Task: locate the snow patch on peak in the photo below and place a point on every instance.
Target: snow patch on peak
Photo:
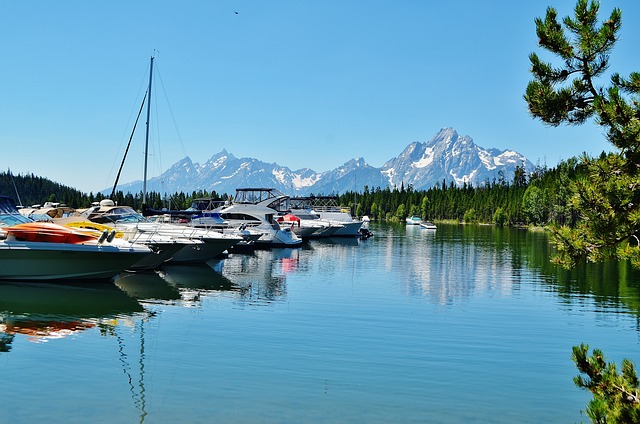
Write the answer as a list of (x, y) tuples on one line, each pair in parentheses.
[(279, 175), (464, 178), (487, 159), (426, 160), (300, 183), (219, 161)]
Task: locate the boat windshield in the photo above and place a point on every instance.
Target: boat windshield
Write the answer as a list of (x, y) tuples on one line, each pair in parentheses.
[(12, 219), (118, 214), (9, 214), (39, 216)]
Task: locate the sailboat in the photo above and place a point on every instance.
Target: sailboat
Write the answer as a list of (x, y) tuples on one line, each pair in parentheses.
[(199, 245)]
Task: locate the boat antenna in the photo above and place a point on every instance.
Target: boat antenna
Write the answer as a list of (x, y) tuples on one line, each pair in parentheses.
[(113, 192), (146, 141), (14, 187)]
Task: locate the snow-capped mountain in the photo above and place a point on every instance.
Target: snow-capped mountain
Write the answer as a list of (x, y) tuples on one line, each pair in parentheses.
[(450, 157), (447, 156)]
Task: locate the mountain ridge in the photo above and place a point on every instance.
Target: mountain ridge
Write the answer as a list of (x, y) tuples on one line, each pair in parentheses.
[(446, 157)]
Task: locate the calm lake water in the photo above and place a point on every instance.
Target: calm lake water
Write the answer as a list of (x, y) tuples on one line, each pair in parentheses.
[(464, 324)]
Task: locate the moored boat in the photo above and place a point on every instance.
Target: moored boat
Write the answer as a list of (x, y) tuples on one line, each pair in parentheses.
[(413, 220), (256, 208), (203, 244), (57, 252), (428, 225), (325, 209)]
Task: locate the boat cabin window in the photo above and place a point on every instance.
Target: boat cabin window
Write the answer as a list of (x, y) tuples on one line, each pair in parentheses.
[(281, 204), (238, 217)]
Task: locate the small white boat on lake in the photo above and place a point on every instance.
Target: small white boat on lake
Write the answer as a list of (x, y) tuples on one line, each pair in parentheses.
[(413, 220), (428, 225)]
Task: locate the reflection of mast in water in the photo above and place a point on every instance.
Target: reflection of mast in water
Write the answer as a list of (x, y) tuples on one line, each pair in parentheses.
[(138, 394)]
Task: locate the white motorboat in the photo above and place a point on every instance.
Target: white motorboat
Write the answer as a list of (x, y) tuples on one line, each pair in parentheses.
[(428, 225), (302, 230), (325, 209), (413, 220), (44, 251), (163, 248), (208, 243), (205, 219), (256, 208), (321, 227)]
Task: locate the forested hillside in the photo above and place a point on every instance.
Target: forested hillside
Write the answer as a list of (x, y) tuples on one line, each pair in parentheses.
[(30, 189), (540, 198)]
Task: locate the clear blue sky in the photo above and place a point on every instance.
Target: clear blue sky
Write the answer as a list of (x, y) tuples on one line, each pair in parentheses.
[(301, 83)]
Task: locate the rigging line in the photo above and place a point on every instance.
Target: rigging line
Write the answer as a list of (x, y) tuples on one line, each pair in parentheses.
[(158, 161), (15, 188), (128, 145), (173, 118), (141, 87)]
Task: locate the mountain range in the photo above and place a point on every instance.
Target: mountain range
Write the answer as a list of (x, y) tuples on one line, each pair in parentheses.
[(447, 157)]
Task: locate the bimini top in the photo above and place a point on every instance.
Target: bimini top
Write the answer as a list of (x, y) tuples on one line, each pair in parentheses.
[(256, 195)]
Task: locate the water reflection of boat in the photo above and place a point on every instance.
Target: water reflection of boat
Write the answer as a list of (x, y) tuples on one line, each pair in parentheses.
[(196, 277), (48, 311), (338, 241), (77, 300), (261, 276), (147, 286), (193, 282)]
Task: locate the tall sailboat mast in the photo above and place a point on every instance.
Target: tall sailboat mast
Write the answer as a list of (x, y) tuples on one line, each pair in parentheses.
[(146, 141)]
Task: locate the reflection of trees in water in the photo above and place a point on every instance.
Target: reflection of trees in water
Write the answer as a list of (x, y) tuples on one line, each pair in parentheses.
[(457, 261), (333, 255), (5, 342), (451, 262), (610, 284)]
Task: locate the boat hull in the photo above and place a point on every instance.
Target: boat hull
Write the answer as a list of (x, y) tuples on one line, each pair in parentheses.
[(163, 252), (33, 261), (349, 229), (428, 225), (203, 252)]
